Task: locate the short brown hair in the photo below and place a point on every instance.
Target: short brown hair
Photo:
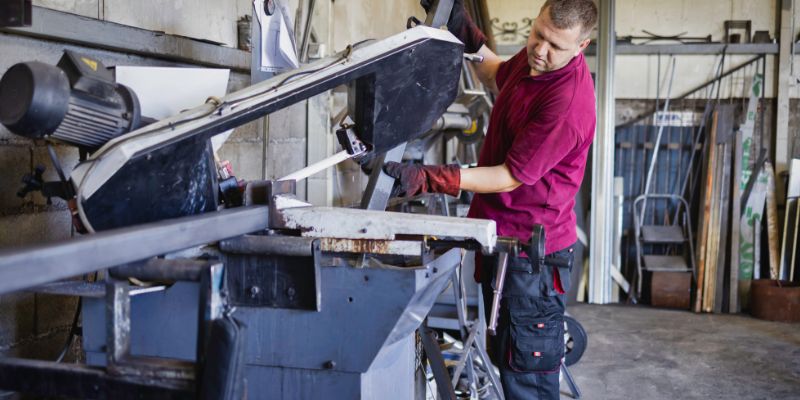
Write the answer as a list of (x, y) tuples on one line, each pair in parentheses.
[(567, 14)]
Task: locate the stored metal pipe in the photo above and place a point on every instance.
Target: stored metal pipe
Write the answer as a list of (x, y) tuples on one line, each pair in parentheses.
[(161, 270), (272, 245), (37, 265)]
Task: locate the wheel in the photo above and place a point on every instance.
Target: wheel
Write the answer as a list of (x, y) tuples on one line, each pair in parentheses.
[(577, 341)]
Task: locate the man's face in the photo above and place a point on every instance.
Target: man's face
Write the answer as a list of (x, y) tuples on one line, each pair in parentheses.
[(550, 48)]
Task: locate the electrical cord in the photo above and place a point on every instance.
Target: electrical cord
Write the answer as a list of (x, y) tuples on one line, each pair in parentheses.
[(218, 104), (72, 330)]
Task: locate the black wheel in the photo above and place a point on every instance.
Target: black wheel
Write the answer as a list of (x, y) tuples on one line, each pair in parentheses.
[(577, 340)]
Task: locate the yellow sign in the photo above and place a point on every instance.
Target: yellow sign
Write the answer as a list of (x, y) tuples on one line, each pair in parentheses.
[(91, 63)]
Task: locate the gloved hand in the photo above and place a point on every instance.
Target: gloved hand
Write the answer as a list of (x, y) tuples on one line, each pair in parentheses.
[(461, 26), (414, 179)]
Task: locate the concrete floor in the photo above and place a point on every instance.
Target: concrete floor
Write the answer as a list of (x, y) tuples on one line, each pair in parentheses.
[(645, 353)]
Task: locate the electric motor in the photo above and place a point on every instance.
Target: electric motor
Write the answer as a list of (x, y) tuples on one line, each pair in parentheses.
[(76, 102)]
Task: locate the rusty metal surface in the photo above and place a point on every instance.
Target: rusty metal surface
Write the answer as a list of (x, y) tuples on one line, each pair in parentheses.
[(670, 289), (346, 223), (371, 246), (771, 302)]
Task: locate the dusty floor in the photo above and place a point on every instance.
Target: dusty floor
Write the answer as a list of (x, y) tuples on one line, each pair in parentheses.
[(645, 353)]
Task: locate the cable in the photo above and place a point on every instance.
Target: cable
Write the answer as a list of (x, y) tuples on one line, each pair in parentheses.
[(72, 330)]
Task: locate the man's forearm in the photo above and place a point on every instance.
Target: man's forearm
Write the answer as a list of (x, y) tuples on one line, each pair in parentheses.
[(497, 179)]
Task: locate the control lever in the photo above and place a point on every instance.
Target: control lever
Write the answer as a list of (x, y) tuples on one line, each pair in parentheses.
[(535, 250), (35, 183)]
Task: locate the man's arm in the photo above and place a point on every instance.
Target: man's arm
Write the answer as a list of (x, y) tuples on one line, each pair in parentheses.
[(487, 70), (415, 179), (497, 179)]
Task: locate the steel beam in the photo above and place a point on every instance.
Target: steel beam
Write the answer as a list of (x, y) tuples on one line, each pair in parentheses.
[(33, 266), (64, 27), (602, 226)]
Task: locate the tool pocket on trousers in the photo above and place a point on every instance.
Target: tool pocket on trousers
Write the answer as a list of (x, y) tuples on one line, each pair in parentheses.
[(536, 343), (557, 267), (522, 280)]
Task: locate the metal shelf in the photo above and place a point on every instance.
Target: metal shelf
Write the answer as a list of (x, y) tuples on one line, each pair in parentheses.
[(64, 27), (686, 49)]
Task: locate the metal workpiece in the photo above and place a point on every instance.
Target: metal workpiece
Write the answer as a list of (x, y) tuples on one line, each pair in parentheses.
[(300, 246), (415, 72), (408, 248), (346, 223), (37, 265)]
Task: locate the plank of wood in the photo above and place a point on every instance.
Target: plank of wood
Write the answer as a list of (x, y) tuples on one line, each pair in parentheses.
[(772, 223), (713, 235), (705, 215), (724, 229), (736, 206), (789, 253), (794, 242)]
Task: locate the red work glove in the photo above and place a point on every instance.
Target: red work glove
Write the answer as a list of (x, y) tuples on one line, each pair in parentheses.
[(461, 26), (414, 179)]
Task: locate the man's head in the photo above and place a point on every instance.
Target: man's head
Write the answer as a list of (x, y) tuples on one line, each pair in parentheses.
[(559, 33)]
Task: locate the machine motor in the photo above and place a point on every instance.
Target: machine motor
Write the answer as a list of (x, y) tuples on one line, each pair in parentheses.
[(76, 102)]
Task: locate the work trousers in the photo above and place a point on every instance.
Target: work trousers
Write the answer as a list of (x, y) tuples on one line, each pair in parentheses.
[(529, 345)]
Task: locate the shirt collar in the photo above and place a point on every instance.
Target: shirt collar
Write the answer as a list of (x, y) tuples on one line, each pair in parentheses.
[(571, 66)]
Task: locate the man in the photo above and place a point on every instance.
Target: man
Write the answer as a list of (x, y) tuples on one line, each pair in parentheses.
[(530, 168)]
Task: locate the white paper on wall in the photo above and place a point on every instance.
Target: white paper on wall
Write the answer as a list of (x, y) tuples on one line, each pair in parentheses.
[(278, 48), (164, 92)]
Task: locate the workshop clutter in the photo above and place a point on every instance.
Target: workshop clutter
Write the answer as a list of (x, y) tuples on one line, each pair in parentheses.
[(702, 225)]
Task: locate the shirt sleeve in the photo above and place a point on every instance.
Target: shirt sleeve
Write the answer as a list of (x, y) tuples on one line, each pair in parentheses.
[(543, 143), (505, 68)]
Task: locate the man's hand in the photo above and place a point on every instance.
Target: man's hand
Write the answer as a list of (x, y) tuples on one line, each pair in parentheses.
[(461, 26), (413, 179)]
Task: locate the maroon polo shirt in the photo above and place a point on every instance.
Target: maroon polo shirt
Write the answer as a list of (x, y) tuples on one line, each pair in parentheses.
[(541, 127)]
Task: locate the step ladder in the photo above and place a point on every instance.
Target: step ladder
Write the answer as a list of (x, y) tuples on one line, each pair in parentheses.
[(678, 235)]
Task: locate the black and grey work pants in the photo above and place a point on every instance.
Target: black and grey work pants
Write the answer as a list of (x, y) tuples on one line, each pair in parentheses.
[(529, 345)]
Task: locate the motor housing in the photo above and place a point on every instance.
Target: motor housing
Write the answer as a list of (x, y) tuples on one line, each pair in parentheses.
[(76, 102)]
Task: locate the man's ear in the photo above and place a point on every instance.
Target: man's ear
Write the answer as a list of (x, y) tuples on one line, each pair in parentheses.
[(583, 45)]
